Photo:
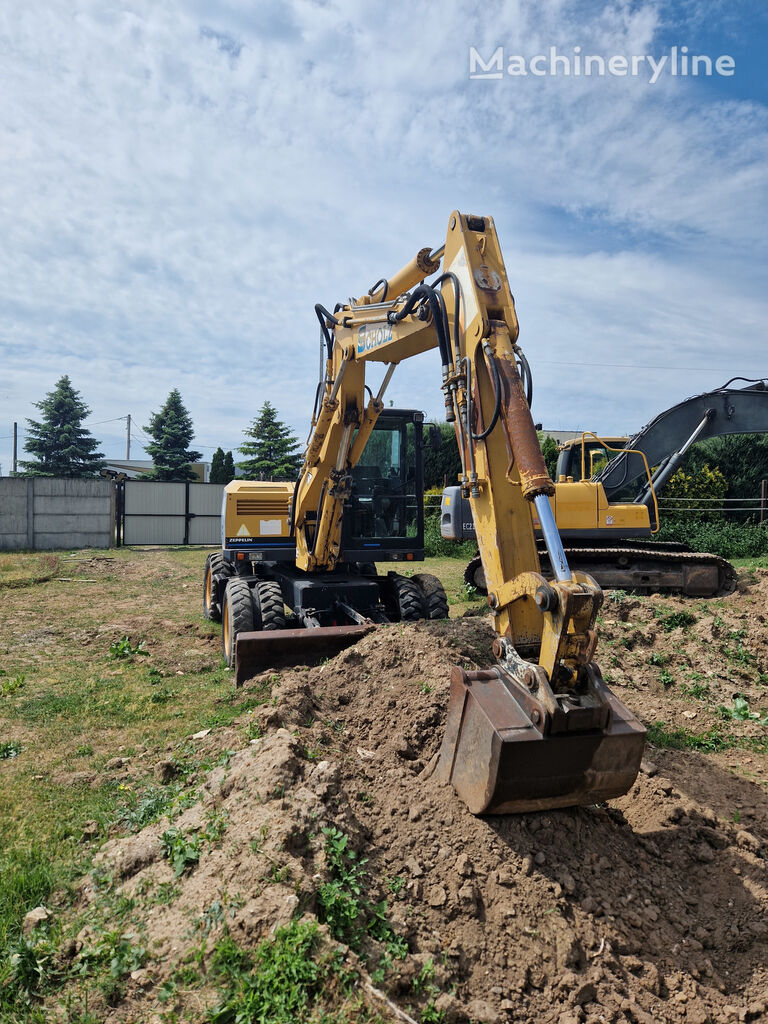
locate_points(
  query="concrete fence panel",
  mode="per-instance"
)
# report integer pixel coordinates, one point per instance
(48, 513)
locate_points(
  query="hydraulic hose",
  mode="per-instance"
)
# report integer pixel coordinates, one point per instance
(526, 375)
(449, 276)
(496, 394)
(325, 318)
(425, 293)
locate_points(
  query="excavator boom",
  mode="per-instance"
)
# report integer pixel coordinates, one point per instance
(540, 729)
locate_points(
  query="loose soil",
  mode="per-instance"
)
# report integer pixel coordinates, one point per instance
(652, 908)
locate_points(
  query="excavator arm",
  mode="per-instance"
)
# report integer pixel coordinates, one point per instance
(667, 437)
(540, 729)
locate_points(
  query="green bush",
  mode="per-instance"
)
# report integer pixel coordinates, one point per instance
(729, 540)
(434, 545)
(696, 496)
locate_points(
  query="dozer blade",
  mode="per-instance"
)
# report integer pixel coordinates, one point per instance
(500, 762)
(253, 651)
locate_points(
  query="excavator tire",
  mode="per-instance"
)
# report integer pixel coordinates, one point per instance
(236, 616)
(217, 572)
(435, 601)
(407, 600)
(268, 607)
(474, 576)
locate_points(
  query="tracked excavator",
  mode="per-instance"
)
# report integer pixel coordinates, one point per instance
(605, 500)
(540, 728)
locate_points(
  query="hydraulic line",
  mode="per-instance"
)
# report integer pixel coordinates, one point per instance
(497, 396)
(325, 317)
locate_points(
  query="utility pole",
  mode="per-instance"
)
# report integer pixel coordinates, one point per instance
(128, 437)
(15, 445)
(763, 496)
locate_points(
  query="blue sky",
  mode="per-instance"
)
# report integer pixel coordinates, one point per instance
(180, 183)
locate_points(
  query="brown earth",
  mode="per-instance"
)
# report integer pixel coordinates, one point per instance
(650, 909)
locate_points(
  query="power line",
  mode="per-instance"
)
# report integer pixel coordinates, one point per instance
(632, 366)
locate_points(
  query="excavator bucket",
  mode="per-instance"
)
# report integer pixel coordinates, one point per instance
(503, 752)
(254, 651)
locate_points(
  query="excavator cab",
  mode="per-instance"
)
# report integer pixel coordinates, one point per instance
(384, 516)
(270, 607)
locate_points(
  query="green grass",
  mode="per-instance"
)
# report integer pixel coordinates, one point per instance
(712, 741)
(280, 984)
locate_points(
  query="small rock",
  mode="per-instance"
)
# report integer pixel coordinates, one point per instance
(585, 993)
(704, 853)
(414, 814)
(437, 896)
(414, 867)
(480, 1010)
(747, 841)
(203, 732)
(90, 829)
(142, 977)
(450, 1007)
(464, 866)
(33, 919)
(568, 883)
(648, 768)
(403, 748)
(113, 764)
(540, 858)
(165, 771)
(527, 864)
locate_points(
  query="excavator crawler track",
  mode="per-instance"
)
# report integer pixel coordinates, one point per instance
(645, 570)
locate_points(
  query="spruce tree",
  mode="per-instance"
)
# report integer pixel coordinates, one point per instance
(272, 453)
(229, 468)
(217, 468)
(58, 443)
(171, 432)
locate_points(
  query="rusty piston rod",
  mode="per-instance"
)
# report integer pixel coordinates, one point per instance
(554, 544)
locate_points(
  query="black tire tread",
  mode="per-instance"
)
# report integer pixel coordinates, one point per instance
(473, 574)
(268, 607)
(240, 620)
(435, 599)
(220, 571)
(409, 599)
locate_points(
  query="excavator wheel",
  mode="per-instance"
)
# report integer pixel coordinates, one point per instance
(435, 601)
(407, 602)
(236, 616)
(217, 572)
(474, 576)
(268, 607)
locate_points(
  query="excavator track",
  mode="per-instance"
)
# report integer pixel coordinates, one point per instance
(645, 570)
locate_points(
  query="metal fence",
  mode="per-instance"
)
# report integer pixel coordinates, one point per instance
(154, 512)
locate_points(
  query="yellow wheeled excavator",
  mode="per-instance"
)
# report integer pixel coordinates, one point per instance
(540, 728)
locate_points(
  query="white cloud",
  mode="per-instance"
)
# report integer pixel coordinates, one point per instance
(180, 183)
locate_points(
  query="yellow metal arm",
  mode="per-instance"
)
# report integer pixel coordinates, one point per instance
(469, 315)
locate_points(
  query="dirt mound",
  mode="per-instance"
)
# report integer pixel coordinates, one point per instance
(651, 909)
